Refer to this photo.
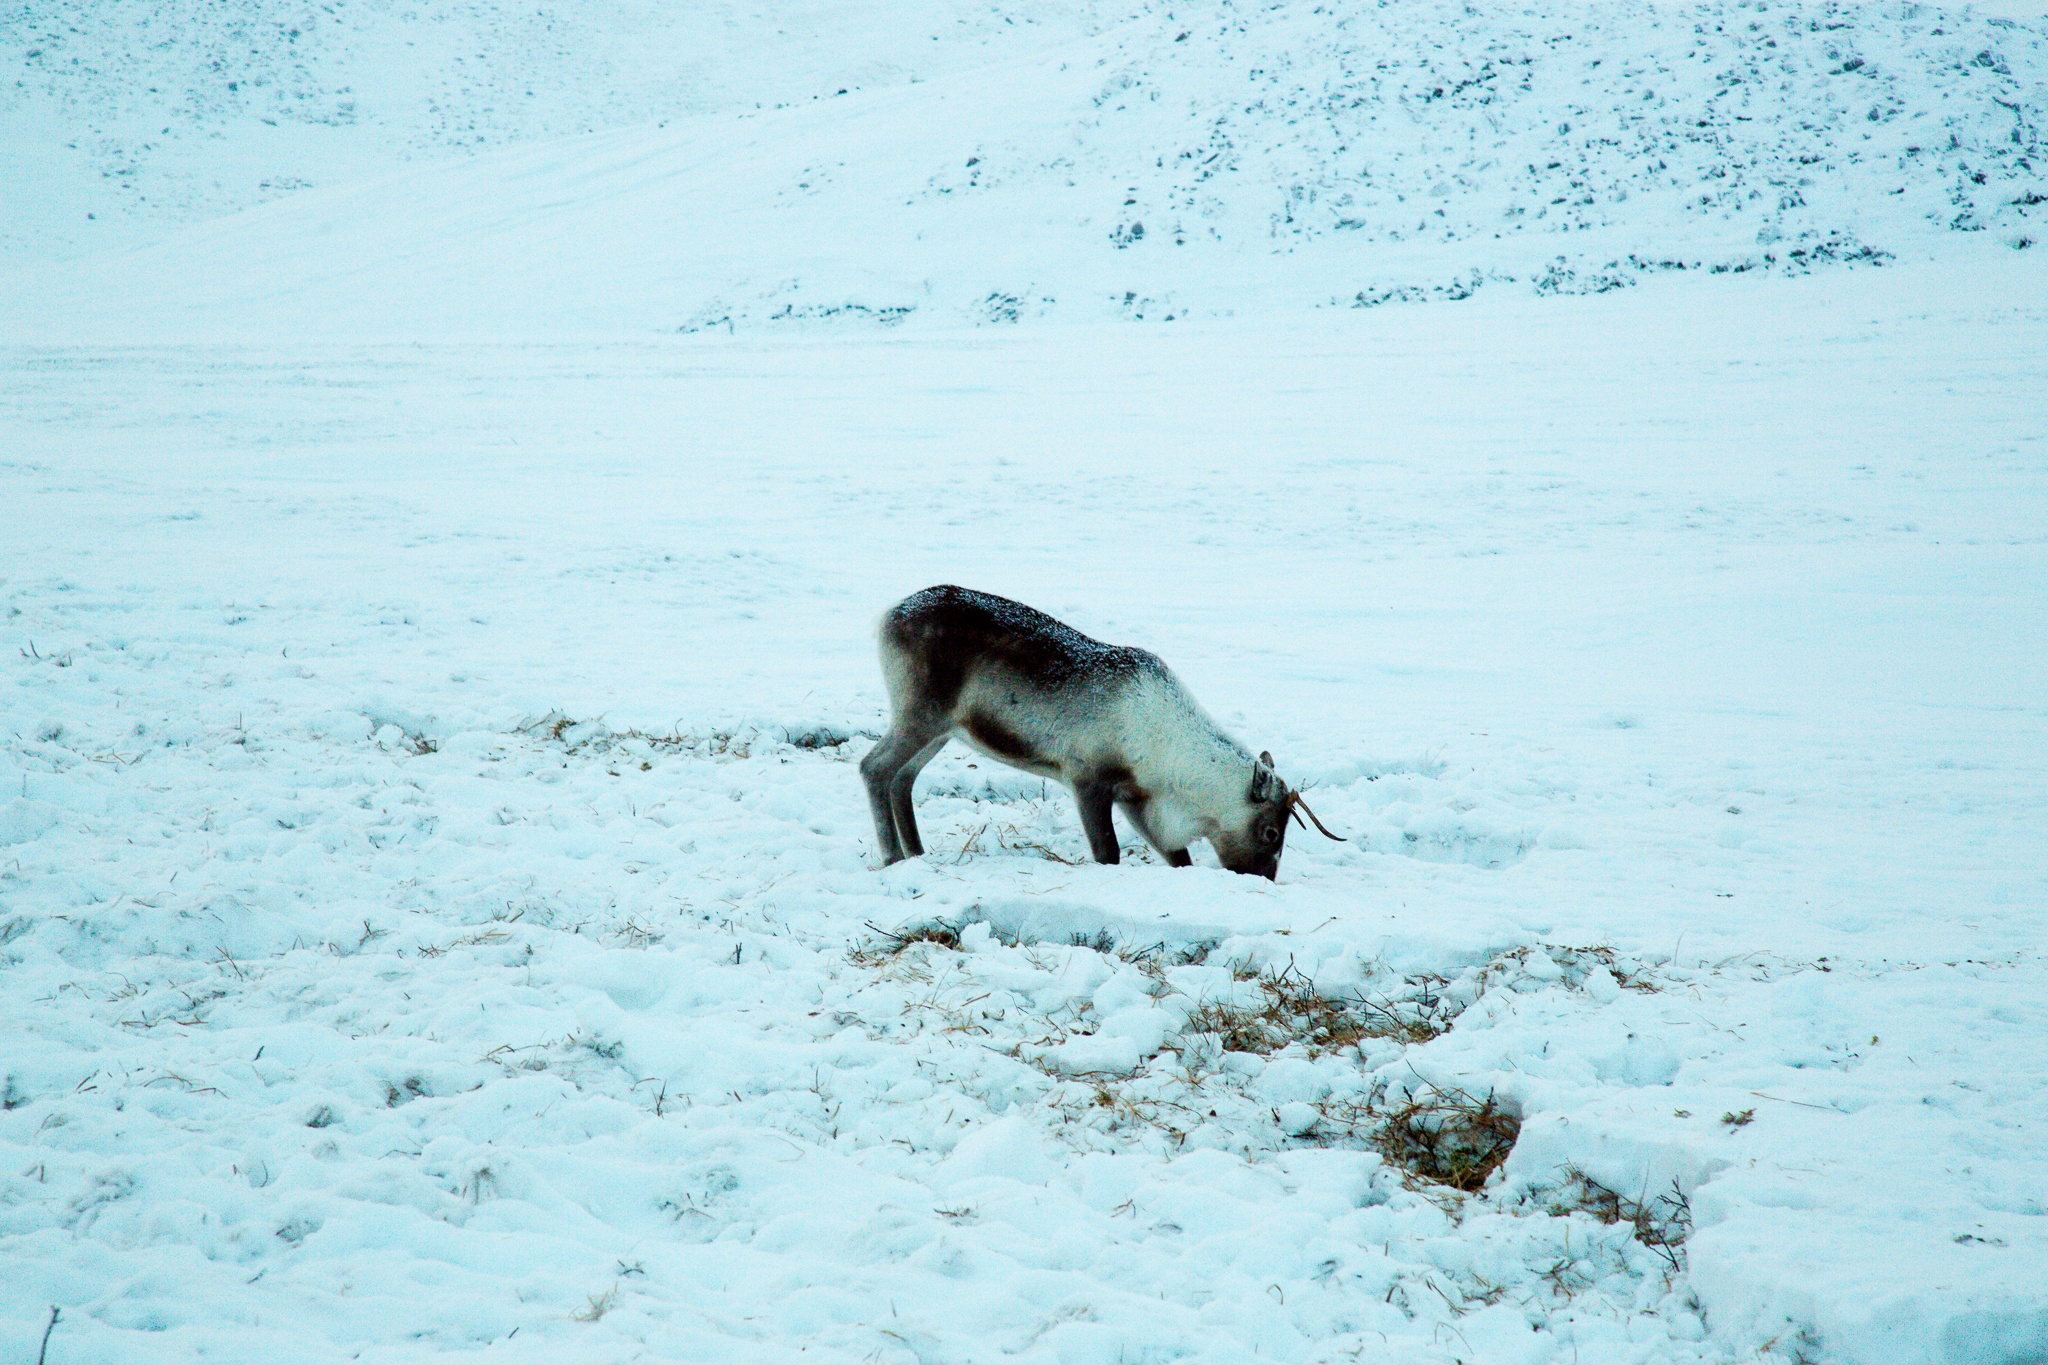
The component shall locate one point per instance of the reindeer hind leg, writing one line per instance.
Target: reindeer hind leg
(923, 685)
(900, 786)
(877, 770)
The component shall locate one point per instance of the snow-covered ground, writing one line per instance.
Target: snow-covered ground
(438, 912)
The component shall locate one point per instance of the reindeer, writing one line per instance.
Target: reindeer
(1111, 723)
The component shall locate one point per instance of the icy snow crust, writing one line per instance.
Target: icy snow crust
(437, 906)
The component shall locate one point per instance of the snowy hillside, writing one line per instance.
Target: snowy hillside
(452, 458)
(1176, 164)
(123, 118)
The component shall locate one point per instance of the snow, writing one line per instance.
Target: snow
(438, 905)
(1183, 162)
(138, 113)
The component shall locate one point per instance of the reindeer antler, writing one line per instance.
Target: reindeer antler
(1295, 806)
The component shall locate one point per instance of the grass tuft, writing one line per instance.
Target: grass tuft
(1291, 1010)
(1449, 1138)
(1011, 840)
(599, 740)
(1661, 1224)
(599, 1305)
(895, 941)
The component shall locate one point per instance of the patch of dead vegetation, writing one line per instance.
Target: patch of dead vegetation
(1443, 1136)
(1290, 1011)
(633, 933)
(482, 938)
(1024, 825)
(1112, 1104)
(599, 1305)
(1573, 965)
(1661, 1224)
(596, 739)
(890, 944)
(1443, 1139)
(1010, 840)
(1152, 959)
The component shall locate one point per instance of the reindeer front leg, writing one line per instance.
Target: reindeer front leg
(1095, 798)
(1137, 808)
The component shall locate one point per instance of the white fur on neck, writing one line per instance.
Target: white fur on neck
(1198, 777)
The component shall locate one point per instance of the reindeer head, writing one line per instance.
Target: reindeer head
(1254, 845)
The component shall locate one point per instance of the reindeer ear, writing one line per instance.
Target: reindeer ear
(1266, 759)
(1263, 781)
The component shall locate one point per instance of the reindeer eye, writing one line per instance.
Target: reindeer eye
(1270, 834)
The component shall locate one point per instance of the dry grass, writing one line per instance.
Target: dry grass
(1444, 1139)
(1448, 1138)
(894, 941)
(1661, 1224)
(599, 1305)
(1576, 964)
(595, 738)
(1291, 1010)
(1011, 839)
(1113, 1103)
(483, 938)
